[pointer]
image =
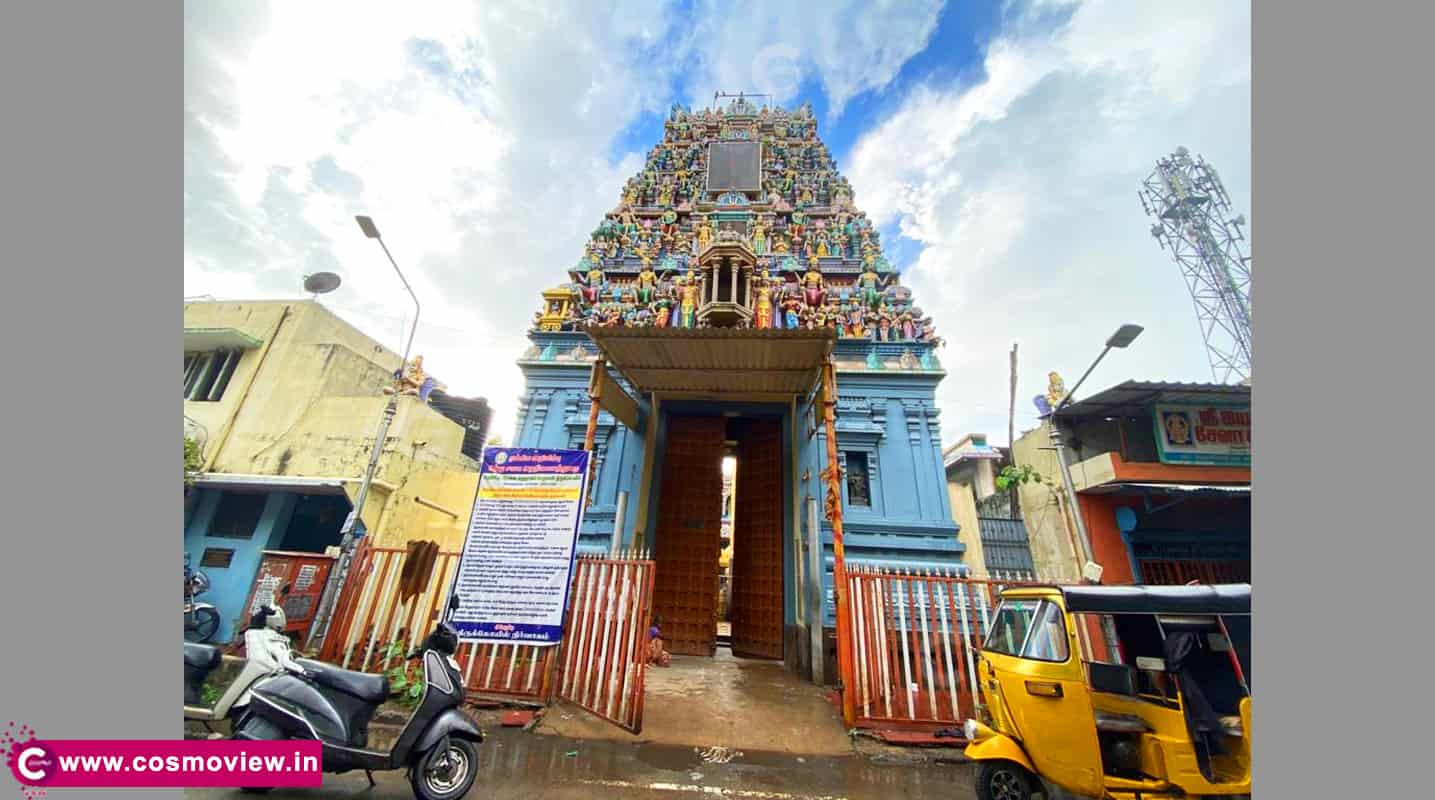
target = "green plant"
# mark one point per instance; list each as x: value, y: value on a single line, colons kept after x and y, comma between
x: 405, y: 682
x: 1016, y: 476
x: 193, y: 460
x: 209, y: 694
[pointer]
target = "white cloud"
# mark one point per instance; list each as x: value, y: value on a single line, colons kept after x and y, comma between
x: 1021, y: 186
x: 850, y: 47
x: 477, y: 135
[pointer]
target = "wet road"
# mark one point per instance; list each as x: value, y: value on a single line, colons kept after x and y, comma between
x: 518, y: 765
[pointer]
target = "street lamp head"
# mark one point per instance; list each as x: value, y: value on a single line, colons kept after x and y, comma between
x: 1124, y: 335
x: 366, y: 224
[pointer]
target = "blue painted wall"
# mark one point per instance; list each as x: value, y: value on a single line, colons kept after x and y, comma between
x: 229, y: 586
x: 888, y: 413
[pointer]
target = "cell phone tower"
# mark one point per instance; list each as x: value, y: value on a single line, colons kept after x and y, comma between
x: 1193, y: 220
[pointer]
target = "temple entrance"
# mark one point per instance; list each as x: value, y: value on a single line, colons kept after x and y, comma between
x: 689, y: 545
x: 757, y: 540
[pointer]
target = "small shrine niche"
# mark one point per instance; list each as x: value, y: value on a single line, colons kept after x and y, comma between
x: 727, y: 292
x: 557, y: 308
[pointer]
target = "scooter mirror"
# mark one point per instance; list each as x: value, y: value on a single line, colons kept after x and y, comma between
x: 284, y: 592
x: 453, y: 603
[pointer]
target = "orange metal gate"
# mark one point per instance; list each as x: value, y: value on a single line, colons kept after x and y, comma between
x: 757, y: 601
x: 916, y: 637
x: 605, y: 641
x: 599, y: 665
x: 688, y: 538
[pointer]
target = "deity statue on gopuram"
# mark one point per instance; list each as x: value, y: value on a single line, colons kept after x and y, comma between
x: 754, y: 184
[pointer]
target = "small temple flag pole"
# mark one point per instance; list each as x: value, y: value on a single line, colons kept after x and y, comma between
x: 839, y: 558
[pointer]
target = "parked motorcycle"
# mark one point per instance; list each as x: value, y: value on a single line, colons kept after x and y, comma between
x: 201, y: 620
x: 267, y: 652
x: 437, y: 745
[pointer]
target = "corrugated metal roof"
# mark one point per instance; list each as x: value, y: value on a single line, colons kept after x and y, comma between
x: 1168, y: 488
x: 716, y: 361
x: 1133, y: 395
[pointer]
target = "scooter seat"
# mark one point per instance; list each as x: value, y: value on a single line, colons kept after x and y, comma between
x: 201, y: 656
x: 368, y: 688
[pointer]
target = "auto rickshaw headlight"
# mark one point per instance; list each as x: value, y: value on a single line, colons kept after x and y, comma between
x: 976, y: 731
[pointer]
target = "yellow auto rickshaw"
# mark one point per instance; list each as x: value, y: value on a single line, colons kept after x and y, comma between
x: 1115, y: 692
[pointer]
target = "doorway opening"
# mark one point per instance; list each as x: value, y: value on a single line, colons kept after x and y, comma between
x: 729, y: 496
x: 719, y: 543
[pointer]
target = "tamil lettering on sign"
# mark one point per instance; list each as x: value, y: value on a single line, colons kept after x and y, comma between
x: 1210, y: 435
x: 517, y: 561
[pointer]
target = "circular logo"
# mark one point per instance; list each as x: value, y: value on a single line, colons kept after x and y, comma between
x: 501, y: 458
x: 33, y: 763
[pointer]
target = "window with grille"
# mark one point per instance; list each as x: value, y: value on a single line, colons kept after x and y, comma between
x: 216, y: 557
x: 207, y: 375
x: 237, y: 516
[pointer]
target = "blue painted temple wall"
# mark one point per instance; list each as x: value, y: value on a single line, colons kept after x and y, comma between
x: 888, y: 413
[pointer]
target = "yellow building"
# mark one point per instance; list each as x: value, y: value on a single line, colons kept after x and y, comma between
x: 285, y: 399
x: 988, y: 525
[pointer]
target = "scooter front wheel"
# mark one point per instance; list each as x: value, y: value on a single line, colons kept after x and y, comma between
x: 445, y: 772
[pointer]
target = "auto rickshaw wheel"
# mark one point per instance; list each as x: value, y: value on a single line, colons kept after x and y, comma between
x: 1005, y: 780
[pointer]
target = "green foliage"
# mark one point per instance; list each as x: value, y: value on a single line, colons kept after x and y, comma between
x: 1016, y: 476
x: 209, y: 694
x: 406, y: 684
x: 193, y: 460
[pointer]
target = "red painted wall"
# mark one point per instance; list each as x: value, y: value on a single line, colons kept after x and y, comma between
x: 1107, y: 548
x: 1177, y: 473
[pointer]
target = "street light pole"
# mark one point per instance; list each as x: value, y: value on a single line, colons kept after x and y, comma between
x: 1121, y: 338
x: 340, y: 573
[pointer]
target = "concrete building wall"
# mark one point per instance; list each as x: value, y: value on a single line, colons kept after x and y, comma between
x: 1054, y: 549
x: 307, y: 353
x: 964, y: 511
x: 411, y: 514
x: 307, y: 403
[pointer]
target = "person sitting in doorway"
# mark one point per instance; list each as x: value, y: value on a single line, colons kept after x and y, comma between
x: 657, y: 654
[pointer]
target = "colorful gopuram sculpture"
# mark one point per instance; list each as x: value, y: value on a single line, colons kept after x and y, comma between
x: 819, y: 261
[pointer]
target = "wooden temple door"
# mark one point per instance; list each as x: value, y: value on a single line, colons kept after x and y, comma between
x: 757, y: 598
x: 688, y: 542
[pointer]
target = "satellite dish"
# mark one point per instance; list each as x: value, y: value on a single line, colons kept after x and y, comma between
x: 321, y: 283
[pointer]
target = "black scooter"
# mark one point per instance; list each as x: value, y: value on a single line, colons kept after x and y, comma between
x: 335, y: 706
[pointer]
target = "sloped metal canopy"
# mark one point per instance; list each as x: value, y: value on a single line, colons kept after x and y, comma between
x: 206, y: 339
x: 1133, y: 397
x: 720, y: 363
x: 1126, y: 488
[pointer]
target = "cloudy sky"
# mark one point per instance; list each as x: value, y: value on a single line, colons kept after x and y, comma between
x: 998, y: 145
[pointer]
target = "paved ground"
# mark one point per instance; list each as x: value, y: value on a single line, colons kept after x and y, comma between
x: 740, y: 704
x: 718, y: 728
x: 523, y: 766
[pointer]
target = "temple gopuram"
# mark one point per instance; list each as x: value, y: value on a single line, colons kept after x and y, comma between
x: 733, y: 280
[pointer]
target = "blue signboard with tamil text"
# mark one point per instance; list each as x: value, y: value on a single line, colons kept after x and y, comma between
x: 517, y: 561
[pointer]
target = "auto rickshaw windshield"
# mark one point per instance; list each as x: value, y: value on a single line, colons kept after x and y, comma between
x: 1028, y: 628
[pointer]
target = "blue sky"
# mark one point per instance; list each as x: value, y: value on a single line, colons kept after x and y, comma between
x: 998, y: 145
